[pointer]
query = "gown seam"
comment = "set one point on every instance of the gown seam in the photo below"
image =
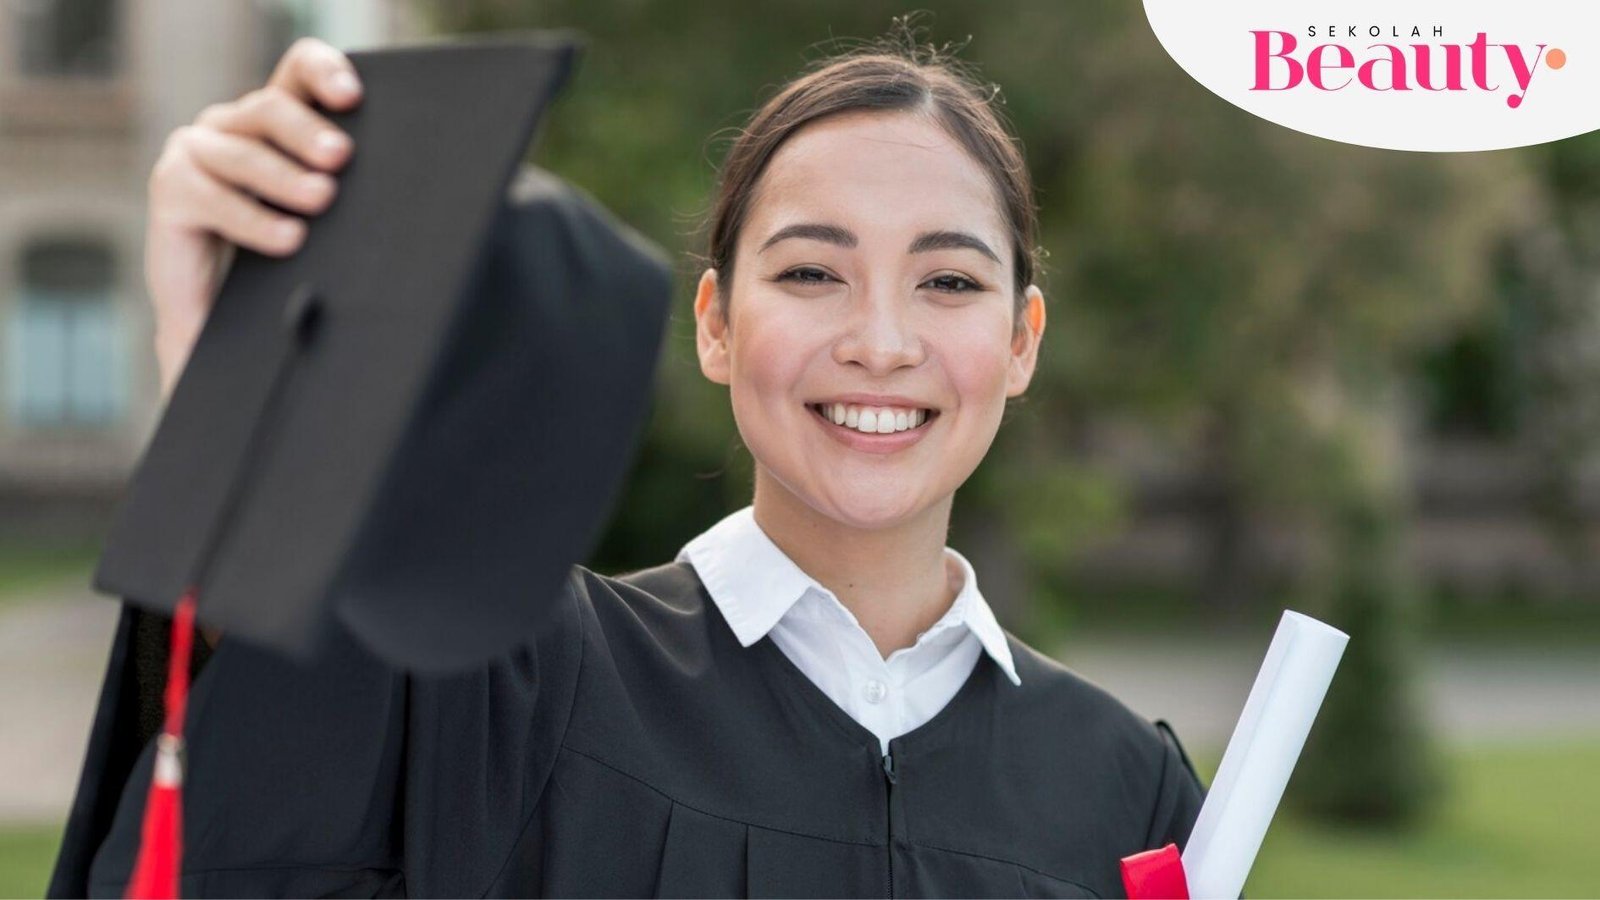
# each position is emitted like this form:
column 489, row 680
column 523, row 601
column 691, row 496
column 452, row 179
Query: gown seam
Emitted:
column 690, row 806
column 572, row 699
column 1150, row 834
column 1009, row 862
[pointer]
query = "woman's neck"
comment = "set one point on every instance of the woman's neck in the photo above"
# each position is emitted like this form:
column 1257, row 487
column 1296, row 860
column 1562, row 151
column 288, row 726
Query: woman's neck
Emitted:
column 896, row 581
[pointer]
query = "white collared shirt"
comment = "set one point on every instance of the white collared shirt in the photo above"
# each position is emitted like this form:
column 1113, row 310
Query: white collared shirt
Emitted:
column 761, row 591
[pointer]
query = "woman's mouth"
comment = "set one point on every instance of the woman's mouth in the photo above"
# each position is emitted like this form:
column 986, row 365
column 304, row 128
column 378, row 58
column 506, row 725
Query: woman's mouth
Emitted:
column 874, row 429
column 874, row 419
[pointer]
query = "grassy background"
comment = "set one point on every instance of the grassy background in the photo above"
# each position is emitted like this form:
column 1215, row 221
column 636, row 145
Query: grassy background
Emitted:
column 25, row 568
column 1521, row 823
column 27, row 854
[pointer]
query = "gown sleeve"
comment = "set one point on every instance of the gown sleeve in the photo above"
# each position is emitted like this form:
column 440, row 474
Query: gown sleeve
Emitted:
column 1179, row 797
column 341, row 777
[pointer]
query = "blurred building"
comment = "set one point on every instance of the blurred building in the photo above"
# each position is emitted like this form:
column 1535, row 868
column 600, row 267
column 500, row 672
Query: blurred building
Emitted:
column 89, row 89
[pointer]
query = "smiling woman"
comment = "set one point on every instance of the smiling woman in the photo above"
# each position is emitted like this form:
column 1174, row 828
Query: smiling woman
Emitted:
column 871, row 305
column 814, row 698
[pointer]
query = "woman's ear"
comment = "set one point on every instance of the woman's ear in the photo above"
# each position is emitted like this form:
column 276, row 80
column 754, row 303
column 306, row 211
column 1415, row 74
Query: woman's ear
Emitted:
column 1025, row 345
column 711, row 329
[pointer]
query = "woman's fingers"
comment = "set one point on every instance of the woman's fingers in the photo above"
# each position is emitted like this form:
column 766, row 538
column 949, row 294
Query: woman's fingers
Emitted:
column 314, row 70
column 244, row 221
column 196, row 200
column 273, row 114
column 260, row 170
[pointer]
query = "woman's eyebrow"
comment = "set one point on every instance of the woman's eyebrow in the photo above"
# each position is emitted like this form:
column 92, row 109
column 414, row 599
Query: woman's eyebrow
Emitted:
column 830, row 234
column 950, row 240
column 844, row 237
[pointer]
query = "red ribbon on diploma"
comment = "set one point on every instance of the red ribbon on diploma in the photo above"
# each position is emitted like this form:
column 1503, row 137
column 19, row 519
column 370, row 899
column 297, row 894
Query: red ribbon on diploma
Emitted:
column 1155, row 875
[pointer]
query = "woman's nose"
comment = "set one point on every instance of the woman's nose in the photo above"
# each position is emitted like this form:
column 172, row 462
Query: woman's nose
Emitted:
column 880, row 335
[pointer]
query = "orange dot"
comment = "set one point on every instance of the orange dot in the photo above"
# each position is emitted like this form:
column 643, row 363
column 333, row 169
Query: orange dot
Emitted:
column 1555, row 58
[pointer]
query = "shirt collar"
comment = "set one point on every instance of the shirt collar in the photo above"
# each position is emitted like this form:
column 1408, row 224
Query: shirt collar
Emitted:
column 980, row 618
column 755, row 584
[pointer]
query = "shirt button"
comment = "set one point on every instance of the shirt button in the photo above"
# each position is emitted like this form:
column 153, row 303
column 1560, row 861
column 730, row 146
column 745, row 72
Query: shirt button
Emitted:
column 875, row 690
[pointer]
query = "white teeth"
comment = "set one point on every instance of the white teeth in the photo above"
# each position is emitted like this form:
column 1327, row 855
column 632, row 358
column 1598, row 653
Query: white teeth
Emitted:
column 872, row 419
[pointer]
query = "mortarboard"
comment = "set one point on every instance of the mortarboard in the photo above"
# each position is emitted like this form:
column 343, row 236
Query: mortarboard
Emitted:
column 418, row 422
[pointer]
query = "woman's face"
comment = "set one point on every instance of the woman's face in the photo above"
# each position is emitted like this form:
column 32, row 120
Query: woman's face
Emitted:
column 873, row 278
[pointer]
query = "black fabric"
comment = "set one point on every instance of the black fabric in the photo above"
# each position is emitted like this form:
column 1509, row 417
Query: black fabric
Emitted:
column 417, row 422
column 128, row 716
column 636, row 749
column 152, row 653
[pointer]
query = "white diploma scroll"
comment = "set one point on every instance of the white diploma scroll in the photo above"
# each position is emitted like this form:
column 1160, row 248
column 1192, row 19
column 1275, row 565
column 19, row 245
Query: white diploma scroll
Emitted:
column 1261, row 755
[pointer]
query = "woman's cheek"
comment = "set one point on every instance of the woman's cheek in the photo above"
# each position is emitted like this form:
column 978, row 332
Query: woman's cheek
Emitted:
column 767, row 365
column 978, row 361
column 769, row 354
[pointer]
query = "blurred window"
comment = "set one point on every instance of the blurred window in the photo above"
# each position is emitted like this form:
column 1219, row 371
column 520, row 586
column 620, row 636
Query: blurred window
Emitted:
column 65, row 38
column 64, row 350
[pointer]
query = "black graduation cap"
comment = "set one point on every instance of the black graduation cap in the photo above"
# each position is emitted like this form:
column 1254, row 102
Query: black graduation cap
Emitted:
column 421, row 420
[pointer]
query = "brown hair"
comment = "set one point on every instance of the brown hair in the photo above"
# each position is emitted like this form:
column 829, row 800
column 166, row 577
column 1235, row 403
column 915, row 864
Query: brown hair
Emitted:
column 895, row 73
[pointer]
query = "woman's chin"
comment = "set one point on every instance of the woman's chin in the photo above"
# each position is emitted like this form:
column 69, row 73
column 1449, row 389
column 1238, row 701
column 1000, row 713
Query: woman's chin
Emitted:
column 868, row 509
column 857, row 496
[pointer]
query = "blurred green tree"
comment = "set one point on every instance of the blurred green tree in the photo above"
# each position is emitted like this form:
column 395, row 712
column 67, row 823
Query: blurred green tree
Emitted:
column 1262, row 296
column 1554, row 270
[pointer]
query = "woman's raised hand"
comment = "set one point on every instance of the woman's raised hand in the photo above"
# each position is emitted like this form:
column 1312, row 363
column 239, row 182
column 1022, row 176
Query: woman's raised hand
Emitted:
column 206, row 188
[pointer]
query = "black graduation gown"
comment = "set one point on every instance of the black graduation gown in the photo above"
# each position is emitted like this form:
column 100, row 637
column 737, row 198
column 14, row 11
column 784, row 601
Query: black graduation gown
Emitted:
column 634, row 749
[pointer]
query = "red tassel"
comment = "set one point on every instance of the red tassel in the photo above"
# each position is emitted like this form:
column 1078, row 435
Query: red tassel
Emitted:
column 1155, row 875
column 155, row 875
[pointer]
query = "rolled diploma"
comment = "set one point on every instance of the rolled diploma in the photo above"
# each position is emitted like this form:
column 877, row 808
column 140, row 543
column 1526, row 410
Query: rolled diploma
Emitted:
column 1261, row 754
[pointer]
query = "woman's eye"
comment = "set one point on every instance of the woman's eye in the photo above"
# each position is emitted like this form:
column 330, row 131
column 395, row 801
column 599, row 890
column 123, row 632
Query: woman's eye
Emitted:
column 954, row 284
column 949, row 283
column 805, row 275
